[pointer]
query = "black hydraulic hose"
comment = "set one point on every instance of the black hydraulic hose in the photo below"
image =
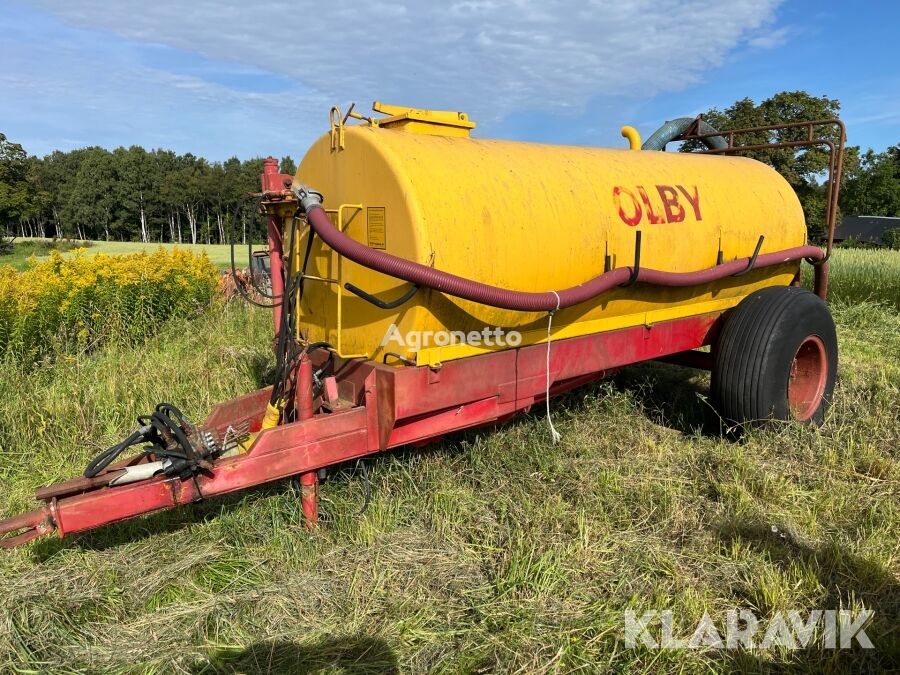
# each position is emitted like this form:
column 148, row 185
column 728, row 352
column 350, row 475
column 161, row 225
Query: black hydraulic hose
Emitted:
column 313, row 346
column 287, row 310
column 294, row 287
column 105, row 458
column 301, row 281
column 162, row 421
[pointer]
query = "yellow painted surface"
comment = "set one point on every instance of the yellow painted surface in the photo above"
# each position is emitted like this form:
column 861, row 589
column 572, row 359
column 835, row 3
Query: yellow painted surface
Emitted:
column 532, row 217
column 269, row 421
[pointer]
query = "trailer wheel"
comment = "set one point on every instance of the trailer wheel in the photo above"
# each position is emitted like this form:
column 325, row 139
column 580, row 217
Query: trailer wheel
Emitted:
column 776, row 359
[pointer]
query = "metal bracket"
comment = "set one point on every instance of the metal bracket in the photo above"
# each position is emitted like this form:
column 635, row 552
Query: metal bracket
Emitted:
column 752, row 262
column 368, row 297
column 636, row 268
column 336, row 122
column 402, row 359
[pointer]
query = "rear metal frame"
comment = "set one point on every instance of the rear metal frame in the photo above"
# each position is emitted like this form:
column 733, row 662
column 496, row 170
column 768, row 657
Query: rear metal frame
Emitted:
column 836, row 151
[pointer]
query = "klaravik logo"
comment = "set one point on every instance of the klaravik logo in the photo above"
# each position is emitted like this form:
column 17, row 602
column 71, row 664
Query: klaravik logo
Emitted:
column 831, row 629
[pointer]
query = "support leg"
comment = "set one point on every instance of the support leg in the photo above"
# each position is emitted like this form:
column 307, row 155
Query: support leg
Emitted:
column 309, row 482
column 309, row 495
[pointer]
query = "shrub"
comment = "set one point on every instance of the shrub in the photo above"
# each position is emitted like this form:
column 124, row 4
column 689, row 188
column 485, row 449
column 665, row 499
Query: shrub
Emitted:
column 80, row 299
column 892, row 238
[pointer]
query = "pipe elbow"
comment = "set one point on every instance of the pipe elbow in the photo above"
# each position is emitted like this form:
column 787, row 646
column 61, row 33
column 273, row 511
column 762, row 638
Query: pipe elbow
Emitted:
column 634, row 138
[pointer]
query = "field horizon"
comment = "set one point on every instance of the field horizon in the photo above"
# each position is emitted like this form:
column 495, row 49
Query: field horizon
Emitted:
column 219, row 254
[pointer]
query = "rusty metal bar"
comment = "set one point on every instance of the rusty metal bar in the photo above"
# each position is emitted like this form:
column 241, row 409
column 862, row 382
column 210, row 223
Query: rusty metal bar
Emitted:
column 835, row 160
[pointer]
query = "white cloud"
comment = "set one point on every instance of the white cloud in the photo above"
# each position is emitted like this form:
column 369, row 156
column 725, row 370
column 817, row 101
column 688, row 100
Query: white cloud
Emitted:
column 488, row 57
column 772, row 39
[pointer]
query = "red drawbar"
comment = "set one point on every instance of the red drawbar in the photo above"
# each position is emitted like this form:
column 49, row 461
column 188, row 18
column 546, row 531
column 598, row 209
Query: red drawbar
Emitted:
column 386, row 407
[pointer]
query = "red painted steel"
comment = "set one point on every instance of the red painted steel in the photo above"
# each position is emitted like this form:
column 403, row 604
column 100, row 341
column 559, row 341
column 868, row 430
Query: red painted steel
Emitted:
column 277, row 453
column 309, row 496
column 309, row 481
column 272, row 181
column 274, row 190
column 809, row 374
column 392, row 407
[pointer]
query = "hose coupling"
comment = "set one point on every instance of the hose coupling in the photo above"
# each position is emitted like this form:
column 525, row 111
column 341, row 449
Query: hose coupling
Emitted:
column 307, row 197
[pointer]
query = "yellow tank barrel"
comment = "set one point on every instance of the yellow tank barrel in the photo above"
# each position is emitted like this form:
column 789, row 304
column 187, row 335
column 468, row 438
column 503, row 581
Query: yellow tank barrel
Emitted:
column 529, row 217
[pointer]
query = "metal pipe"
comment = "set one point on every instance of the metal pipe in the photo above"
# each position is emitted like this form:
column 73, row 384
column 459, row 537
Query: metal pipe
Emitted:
column 835, row 166
column 634, row 138
column 309, row 481
column 276, row 250
column 690, row 359
column 309, row 497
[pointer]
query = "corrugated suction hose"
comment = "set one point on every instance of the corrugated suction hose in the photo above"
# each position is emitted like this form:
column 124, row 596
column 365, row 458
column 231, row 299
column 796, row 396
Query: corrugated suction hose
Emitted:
column 524, row 301
column 672, row 130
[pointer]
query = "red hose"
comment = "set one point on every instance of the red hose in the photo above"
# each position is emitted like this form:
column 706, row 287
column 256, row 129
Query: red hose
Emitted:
column 523, row 301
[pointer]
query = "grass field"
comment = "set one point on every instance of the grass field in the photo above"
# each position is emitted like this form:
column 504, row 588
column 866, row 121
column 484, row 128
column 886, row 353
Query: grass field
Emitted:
column 219, row 254
column 494, row 551
column 862, row 274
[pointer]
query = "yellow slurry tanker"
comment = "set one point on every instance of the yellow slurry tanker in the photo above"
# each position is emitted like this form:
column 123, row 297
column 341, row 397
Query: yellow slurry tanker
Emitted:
column 426, row 281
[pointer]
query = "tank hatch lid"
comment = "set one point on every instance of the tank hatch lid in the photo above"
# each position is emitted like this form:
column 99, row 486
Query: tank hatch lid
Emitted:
column 434, row 122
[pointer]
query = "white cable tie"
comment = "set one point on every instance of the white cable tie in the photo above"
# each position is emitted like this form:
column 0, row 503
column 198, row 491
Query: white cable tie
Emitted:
column 553, row 432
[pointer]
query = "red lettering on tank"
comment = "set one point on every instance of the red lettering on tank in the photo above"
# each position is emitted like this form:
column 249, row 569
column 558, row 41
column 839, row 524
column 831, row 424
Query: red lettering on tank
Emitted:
column 694, row 200
column 635, row 217
column 674, row 210
column 651, row 215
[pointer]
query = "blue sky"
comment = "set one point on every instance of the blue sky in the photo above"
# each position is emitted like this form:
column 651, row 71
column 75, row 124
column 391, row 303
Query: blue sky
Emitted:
column 234, row 78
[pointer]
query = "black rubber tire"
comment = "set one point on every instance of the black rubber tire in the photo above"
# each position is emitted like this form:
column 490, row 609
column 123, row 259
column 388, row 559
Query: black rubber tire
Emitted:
column 756, row 350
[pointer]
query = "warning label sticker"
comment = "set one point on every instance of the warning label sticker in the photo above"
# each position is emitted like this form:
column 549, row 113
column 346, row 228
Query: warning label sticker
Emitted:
column 376, row 227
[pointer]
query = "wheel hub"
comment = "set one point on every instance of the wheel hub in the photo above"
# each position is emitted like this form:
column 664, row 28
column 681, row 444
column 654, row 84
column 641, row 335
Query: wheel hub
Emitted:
column 809, row 372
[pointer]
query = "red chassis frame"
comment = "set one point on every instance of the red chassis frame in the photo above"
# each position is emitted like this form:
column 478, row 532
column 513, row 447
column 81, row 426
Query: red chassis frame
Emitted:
column 387, row 407
column 365, row 408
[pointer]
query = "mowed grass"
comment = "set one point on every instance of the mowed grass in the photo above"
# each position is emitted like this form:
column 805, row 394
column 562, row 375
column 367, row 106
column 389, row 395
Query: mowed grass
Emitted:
column 23, row 249
column 493, row 551
column 219, row 254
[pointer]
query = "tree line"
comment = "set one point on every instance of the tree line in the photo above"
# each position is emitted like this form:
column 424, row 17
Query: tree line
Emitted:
column 157, row 195
column 127, row 194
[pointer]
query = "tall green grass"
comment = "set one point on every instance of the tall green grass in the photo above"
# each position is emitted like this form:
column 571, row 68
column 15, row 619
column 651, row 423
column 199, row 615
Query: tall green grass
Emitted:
column 491, row 551
column 859, row 274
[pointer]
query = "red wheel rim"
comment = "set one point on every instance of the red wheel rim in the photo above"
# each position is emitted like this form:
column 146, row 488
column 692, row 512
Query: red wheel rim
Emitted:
column 806, row 383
